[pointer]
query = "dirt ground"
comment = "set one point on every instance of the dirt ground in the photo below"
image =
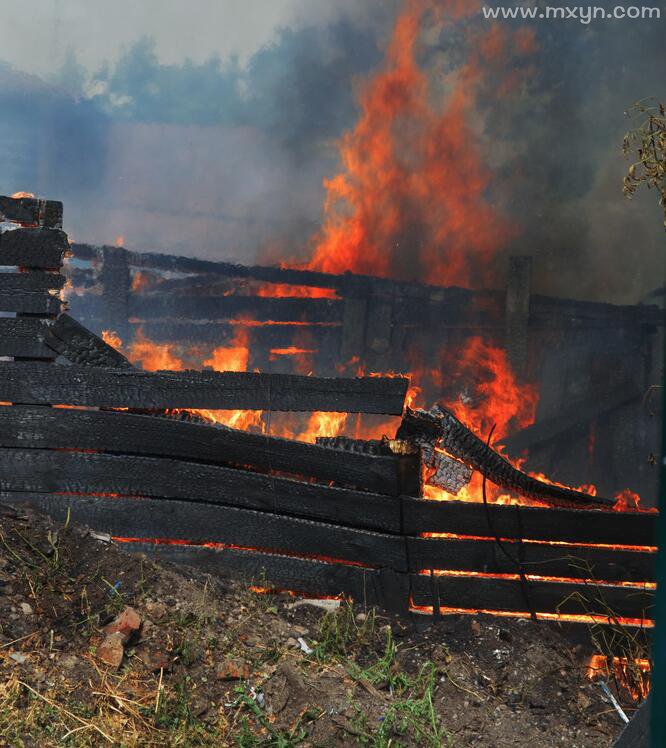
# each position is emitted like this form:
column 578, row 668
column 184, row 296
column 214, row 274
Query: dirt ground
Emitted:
column 216, row 663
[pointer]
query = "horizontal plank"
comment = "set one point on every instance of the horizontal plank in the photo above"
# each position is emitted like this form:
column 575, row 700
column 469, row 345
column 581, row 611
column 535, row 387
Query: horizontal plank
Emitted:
column 533, row 523
column 73, row 341
column 490, row 593
column 30, row 210
column 32, row 281
column 82, row 472
column 579, row 562
column 24, row 336
column 259, row 308
column 35, row 427
column 34, row 248
column 117, row 388
column 28, row 302
column 210, row 523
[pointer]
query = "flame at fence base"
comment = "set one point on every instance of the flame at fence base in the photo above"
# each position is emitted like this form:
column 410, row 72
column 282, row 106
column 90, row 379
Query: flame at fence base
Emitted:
column 632, row 675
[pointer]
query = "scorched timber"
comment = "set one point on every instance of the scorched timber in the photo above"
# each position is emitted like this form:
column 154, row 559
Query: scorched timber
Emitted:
column 80, row 346
column 30, row 210
column 81, row 472
column 34, row 281
column 534, row 523
column 26, row 302
column 25, row 426
column 23, row 336
column 490, row 593
column 33, row 248
column 26, row 382
column 260, row 308
column 445, row 430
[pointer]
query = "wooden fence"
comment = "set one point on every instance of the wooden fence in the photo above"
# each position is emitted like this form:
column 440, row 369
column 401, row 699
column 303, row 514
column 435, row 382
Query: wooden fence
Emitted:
column 319, row 519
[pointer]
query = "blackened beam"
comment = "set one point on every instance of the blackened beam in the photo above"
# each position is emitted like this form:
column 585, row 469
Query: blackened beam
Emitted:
column 27, row 382
column 78, row 345
column 33, row 248
column 24, row 337
column 29, row 210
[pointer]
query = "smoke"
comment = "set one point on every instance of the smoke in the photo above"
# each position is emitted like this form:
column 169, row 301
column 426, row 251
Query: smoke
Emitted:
column 227, row 159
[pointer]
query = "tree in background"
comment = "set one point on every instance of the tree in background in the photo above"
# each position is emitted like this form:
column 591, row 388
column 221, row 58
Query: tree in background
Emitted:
column 647, row 144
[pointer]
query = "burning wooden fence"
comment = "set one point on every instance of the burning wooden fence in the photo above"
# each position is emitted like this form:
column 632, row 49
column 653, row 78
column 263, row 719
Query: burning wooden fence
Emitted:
column 335, row 517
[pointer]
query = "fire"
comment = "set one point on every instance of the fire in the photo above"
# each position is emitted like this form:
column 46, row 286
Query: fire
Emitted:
column 141, row 281
column 632, row 674
column 410, row 199
column 120, row 241
column 112, row 338
column 19, row 195
column 281, row 290
column 153, row 356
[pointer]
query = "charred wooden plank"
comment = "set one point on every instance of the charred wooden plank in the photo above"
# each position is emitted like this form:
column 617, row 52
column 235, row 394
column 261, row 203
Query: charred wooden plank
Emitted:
column 534, row 523
column 34, row 281
column 80, row 346
column 443, row 428
column 501, row 594
column 42, row 470
column 213, row 523
column 24, row 336
column 30, row 210
column 35, row 427
column 28, row 302
column 33, row 248
column 308, row 576
column 579, row 562
column 27, row 382
column 260, row 308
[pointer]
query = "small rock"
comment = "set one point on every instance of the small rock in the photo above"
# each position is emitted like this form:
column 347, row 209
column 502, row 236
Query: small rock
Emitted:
column 475, row 626
column 233, row 670
column 157, row 660
column 26, row 609
column 156, row 609
column 111, row 650
column 125, row 624
column 18, row 657
column 69, row 662
column 292, row 643
column 361, row 618
column 299, row 631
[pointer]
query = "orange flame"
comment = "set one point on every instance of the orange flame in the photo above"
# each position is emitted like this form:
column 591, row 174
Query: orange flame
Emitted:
column 281, row 290
column 633, row 675
column 19, row 195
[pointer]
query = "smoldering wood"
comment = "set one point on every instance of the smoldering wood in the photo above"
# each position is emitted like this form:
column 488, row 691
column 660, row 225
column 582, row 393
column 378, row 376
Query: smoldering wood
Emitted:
column 42, row 471
column 382, row 587
column 33, row 281
column 78, row 345
column 579, row 562
column 24, row 337
column 444, row 428
column 36, row 427
column 214, row 523
column 534, row 523
column 33, row 248
column 29, row 302
column 29, row 210
column 447, row 472
column 261, row 308
column 484, row 593
column 27, row 382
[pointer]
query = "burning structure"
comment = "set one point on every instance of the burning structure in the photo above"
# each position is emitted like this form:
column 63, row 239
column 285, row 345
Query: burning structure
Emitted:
column 147, row 457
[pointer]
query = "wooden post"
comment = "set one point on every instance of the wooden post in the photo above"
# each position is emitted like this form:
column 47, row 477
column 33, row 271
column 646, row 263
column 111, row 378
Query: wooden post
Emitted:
column 115, row 279
column 517, row 313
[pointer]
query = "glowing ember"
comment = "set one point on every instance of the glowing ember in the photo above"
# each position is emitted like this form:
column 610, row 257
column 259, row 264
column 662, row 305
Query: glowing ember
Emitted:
column 19, row 195
column 112, row 338
column 281, row 290
column 120, row 241
column 633, row 675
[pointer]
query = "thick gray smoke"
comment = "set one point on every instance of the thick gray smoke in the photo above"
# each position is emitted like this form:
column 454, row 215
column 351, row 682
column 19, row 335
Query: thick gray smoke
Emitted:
column 223, row 159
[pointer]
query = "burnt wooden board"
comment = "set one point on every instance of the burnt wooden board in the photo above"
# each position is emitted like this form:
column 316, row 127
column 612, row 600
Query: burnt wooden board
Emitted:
column 82, row 472
column 24, row 336
column 77, row 344
column 27, row 302
column 25, row 426
column 32, row 210
column 488, row 593
column 259, row 308
column 579, row 562
column 26, row 382
column 33, row 281
column 33, row 248
column 534, row 523
column 213, row 523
